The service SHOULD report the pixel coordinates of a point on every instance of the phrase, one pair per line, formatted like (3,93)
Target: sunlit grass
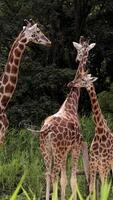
(104,193)
(22,152)
(15,194)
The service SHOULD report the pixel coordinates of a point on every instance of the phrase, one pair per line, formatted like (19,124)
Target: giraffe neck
(9,77)
(82,65)
(70,105)
(98,117)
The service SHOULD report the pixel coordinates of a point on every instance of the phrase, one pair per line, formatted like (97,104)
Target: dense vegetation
(44,74)
(21,153)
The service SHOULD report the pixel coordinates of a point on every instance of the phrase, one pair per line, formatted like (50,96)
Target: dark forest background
(45,72)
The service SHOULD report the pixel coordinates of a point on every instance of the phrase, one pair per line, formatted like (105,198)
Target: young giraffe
(101,151)
(9,78)
(61,133)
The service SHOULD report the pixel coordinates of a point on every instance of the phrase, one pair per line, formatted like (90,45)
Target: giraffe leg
(48,162)
(55,173)
(104,174)
(63,180)
(92,178)
(48,173)
(75,156)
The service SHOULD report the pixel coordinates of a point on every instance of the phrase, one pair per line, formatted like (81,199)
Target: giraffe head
(83,48)
(84,80)
(33,33)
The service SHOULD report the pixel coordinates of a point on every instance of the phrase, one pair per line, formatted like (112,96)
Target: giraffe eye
(33,35)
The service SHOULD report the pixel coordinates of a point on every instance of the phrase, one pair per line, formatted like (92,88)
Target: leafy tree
(44,72)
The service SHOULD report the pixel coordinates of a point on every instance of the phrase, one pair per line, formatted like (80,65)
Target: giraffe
(8,79)
(101,150)
(61,134)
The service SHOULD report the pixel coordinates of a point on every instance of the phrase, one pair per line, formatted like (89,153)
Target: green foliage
(87,128)
(104,194)
(44,72)
(105,191)
(106,100)
(21,153)
(14,196)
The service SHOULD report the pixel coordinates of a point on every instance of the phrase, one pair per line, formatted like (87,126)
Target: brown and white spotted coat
(101,150)
(8,80)
(61,133)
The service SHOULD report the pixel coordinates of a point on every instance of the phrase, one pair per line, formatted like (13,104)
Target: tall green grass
(104,193)
(21,152)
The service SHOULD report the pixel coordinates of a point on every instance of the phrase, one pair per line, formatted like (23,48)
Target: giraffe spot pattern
(95,107)
(93,100)
(17,52)
(9,88)
(104,138)
(13,79)
(21,46)
(5,121)
(5,79)
(100,130)
(1,89)
(59,136)
(24,40)
(92,94)
(95,146)
(16,61)
(8,68)
(60,128)
(96,112)
(4,100)
(70,126)
(11,59)
(1,110)
(14,69)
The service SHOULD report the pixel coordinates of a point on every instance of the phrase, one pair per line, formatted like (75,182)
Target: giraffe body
(60,133)
(9,78)
(101,156)
(101,150)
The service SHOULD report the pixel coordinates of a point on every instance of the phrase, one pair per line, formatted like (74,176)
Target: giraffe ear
(77,45)
(94,79)
(91,46)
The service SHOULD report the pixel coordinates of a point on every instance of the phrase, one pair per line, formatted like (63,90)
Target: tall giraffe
(101,151)
(9,78)
(61,133)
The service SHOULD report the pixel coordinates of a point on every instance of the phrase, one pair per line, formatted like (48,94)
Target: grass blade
(26,194)
(14,196)
(105,190)
(78,192)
